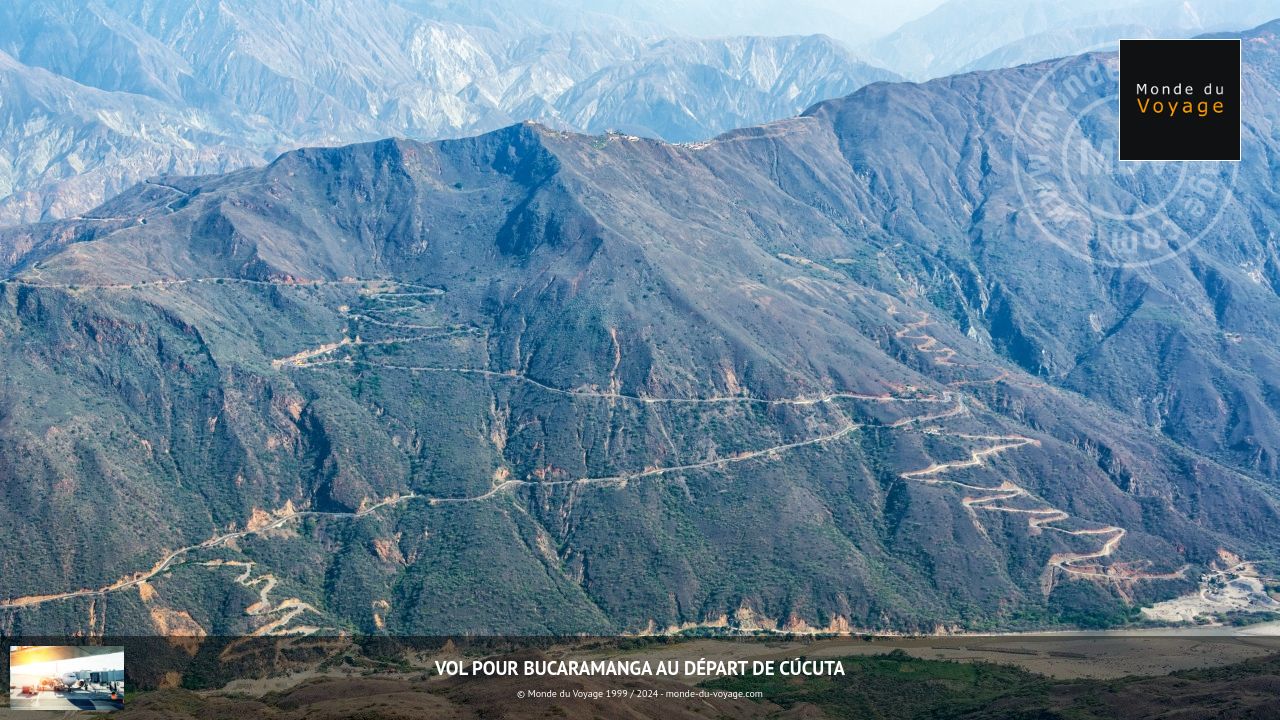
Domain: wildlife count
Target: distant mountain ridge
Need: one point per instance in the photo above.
(226, 84)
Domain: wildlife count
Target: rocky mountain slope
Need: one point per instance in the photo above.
(67, 146)
(805, 375)
(101, 95)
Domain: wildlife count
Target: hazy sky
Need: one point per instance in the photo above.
(849, 20)
(54, 668)
(852, 21)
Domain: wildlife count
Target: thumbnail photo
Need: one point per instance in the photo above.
(73, 677)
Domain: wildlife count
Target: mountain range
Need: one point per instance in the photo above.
(101, 95)
(831, 372)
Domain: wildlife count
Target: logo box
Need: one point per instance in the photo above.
(1180, 99)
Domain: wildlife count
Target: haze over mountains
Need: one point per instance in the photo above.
(100, 95)
(964, 35)
(822, 373)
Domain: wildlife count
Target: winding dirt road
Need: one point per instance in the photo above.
(999, 498)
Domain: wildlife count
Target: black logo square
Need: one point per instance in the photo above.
(1180, 99)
